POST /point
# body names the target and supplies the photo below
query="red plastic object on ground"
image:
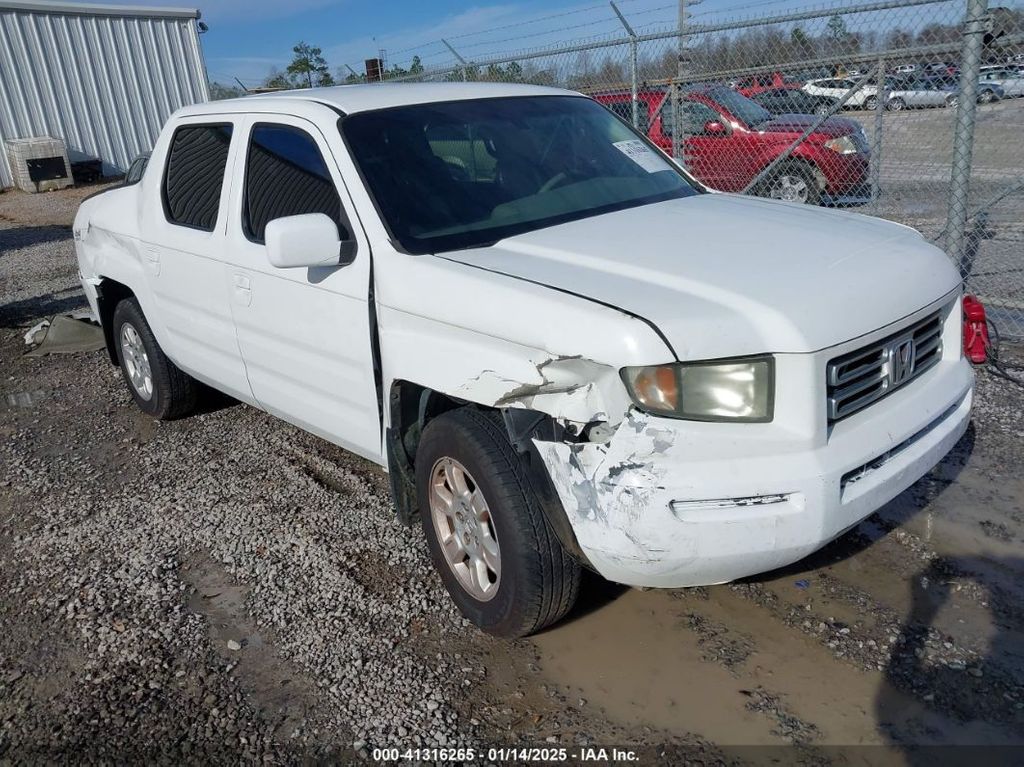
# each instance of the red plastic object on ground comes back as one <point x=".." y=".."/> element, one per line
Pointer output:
<point x="975" y="331"/>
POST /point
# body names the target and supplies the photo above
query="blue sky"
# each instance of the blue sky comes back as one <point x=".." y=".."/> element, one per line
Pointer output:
<point x="248" y="37"/>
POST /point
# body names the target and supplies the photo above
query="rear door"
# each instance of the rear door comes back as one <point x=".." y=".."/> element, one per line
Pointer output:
<point x="182" y="249"/>
<point x="304" y="332"/>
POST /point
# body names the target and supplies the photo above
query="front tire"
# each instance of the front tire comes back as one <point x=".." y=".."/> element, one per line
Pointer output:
<point x="871" y="103"/>
<point x="896" y="105"/>
<point x="158" y="387"/>
<point x="503" y="566"/>
<point x="986" y="97"/>
<point x="793" y="183"/>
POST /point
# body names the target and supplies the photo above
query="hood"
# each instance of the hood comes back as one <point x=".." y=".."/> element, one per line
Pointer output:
<point x="725" y="275"/>
<point x="797" y="124"/>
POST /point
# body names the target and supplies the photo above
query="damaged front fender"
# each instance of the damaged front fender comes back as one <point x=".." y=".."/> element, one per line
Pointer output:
<point x="567" y="388"/>
<point x="607" y="489"/>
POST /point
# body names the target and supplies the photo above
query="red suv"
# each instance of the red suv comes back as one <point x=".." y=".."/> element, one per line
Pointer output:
<point x="729" y="139"/>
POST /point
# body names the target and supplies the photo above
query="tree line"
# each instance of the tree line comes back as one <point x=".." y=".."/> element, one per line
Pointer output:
<point x="767" y="47"/>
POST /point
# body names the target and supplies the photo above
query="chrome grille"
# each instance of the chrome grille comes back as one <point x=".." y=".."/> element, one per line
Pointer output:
<point x="861" y="377"/>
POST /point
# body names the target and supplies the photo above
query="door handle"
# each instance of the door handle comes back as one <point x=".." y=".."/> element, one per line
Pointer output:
<point x="243" y="290"/>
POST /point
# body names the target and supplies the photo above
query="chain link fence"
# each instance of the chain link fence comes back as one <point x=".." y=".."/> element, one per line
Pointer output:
<point x="912" y="110"/>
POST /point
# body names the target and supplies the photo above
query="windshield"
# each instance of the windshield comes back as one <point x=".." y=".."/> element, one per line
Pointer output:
<point x="466" y="174"/>
<point x="739" y="106"/>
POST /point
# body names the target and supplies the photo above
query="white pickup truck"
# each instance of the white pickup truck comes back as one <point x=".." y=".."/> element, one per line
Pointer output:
<point x="564" y="350"/>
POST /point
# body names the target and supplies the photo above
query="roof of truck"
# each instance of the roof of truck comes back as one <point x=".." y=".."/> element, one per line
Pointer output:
<point x="363" y="98"/>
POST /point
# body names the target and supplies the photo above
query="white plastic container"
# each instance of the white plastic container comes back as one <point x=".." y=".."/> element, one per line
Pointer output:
<point x="21" y="150"/>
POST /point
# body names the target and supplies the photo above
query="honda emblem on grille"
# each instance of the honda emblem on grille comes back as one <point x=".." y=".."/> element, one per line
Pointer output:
<point x="902" y="356"/>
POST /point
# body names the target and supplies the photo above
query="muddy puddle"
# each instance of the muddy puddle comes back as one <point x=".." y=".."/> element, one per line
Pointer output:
<point x="904" y="631"/>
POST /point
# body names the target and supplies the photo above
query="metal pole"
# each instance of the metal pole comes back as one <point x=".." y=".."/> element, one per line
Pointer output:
<point x="455" y="53"/>
<point x="634" y="81"/>
<point x="881" y="98"/>
<point x="677" y="117"/>
<point x="963" y="137"/>
<point x="633" y="75"/>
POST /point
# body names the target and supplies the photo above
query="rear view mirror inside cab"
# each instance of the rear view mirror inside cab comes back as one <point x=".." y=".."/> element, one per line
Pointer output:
<point x="307" y="240"/>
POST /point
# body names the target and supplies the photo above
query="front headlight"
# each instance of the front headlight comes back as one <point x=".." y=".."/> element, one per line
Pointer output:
<point x="842" y="145"/>
<point x="722" y="390"/>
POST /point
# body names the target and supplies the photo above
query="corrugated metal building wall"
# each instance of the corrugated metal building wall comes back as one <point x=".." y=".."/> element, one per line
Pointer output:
<point x="103" y="78"/>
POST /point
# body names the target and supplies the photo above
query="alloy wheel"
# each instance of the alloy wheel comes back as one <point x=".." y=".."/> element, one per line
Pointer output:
<point x="464" y="528"/>
<point x="790" y="187"/>
<point x="136" y="361"/>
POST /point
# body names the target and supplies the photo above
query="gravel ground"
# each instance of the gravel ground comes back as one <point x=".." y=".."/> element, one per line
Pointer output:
<point x="227" y="588"/>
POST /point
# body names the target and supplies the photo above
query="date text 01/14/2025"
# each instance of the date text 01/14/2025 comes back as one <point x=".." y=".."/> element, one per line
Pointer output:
<point x="505" y="754"/>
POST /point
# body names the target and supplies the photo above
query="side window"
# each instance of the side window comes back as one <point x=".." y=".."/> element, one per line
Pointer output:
<point x="195" y="175"/>
<point x="135" y="171"/>
<point x="693" y="115"/>
<point x="624" y="109"/>
<point x="286" y="175"/>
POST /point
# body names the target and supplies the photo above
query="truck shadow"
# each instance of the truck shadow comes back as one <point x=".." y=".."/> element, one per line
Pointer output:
<point x="17" y="237"/>
<point x="18" y="313"/>
<point x="983" y="693"/>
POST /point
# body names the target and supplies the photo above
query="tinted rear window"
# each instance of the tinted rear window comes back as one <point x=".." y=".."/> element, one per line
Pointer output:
<point x="195" y="175"/>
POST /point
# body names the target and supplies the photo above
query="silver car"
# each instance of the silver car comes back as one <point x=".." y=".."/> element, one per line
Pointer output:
<point x="923" y="92"/>
<point x="1010" y="80"/>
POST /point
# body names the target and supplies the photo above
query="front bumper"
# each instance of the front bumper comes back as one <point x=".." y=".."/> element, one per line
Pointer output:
<point x="670" y="503"/>
<point x="858" y="195"/>
<point x="846" y="178"/>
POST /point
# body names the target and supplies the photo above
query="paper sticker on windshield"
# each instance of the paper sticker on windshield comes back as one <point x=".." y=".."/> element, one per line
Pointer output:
<point x="637" y="151"/>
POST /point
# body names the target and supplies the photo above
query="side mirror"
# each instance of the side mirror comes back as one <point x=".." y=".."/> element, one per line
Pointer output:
<point x="309" y="240"/>
<point x="716" y="128"/>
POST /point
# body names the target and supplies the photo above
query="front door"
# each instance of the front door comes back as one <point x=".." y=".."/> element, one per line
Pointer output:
<point x="712" y="158"/>
<point x="304" y="332"/>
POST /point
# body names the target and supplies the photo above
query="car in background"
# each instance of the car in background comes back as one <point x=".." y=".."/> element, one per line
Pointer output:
<point x="917" y="93"/>
<point x="905" y="69"/>
<point x="781" y="101"/>
<point x="864" y="97"/>
<point x="988" y="92"/>
<point x="751" y="86"/>
<point x="942" y="69"/>
<point x="1010" y="80"/>
<point x="728" y="140"/>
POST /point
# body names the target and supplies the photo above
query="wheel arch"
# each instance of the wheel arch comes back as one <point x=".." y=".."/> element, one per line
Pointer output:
<point x="411" y="406"/>
<point x="109" y="293"/>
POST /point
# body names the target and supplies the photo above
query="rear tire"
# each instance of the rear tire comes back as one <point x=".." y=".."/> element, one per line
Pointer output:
<point x="871" y="103"/>
<point x="986" y="97"/>
<point x="158" y="387"/>
<point x="480" y="515"/>
<point x="896" y="105"/>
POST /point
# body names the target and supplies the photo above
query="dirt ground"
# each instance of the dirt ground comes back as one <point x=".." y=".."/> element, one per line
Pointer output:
<point x="228" y="588"/>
